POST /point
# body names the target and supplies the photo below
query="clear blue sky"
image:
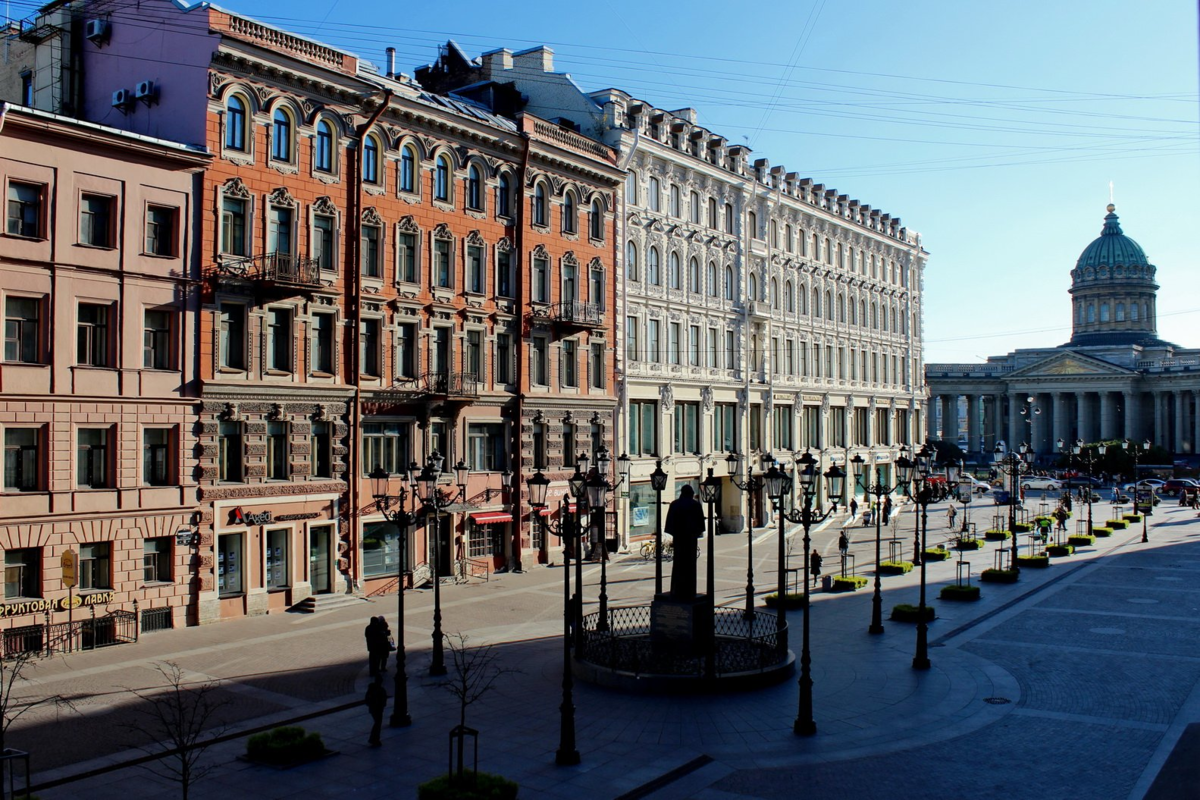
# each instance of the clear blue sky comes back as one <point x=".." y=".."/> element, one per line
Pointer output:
<point x="993" y="129"/>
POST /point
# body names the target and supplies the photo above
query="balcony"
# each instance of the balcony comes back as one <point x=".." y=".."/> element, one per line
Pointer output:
<point x="450" y="385"/>
<point x="574" y="314"/>
<point x="283" y="270"/>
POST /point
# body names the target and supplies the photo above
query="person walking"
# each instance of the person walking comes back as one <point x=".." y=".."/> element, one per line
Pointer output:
<point x="376" y="634"/>
<point x="951" y="514"/>
<point x="376" y="702"/>
<point x="844" y="544"/>
<point x="853" y="508"/>
<point x="814" y="565"/>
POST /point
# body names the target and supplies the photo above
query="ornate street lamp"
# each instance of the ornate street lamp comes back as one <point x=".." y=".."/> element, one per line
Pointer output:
<point x="879" y="490"/>
<point x="710" y="491"/>
<point x="577" y="484"/>
<point x="434" y="503"/>
<point x="598" y="487"/>
<point x="779" y="489"/>
<point x="401" y="519"/>
<point x="923" y="496"/>
<point x="658" y="482"/>
<point x="752" y="483"/>
<point x="1137" y="451"/>
<point x="1014" y="465"/>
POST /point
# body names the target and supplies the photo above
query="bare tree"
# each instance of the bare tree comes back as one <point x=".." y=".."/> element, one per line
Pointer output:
<point x="182" y="724"/>
<point x="14" y="700"/>
<point x="475" y="674"/>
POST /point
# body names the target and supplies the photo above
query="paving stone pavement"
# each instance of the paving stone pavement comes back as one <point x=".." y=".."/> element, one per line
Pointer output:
<point x="1075" y="682"/>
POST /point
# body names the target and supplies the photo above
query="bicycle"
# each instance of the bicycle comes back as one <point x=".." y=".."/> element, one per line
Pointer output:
<point x="648" y="550"/>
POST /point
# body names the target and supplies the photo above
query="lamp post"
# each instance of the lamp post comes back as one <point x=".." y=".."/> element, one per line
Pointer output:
<point x="878" y="490"/>
<point x="710" y="490"/>
<point x="434" y="503"/>
<point x="920" y="471"/>
<point x="402" y="519"/>
<point x="779" y="487"/>
<point x="752" y="483"/>
<point x="567" y="754"/>
<point x="598" y="487"/>
<point x="658" y="482"/>
<point x="1100" y="449"/>
<point x="1136" y="452"/>
<point x="1014" y="465"/>
<point x="578" y="487"/>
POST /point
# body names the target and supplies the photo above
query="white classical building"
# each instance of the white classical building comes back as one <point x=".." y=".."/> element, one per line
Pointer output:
<point x="758" y="311"/>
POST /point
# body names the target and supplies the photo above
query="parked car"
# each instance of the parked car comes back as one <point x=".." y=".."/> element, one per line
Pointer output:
<point x="1045" y="484"/>
<point x="1076" y="481"/>
<point x="978" y="486"/>
<point x="1145" y="483"/>
<point x="1174" y="486"/>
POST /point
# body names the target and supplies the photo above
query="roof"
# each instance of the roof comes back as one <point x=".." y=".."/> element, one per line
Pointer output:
<point x="1113" y="247"/>
<point x="72" y="122"/>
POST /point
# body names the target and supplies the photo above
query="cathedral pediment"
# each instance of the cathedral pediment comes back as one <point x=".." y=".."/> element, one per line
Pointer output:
<point x="1070" y="363"/>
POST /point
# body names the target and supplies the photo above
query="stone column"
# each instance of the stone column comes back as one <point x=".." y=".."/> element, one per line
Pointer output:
<point x="949" y="414"/>
<point x="1133" y="430"/>
<point x="1108" y="416"/>
<point x="973" y="423"/>
<point x="1040" y="430"/>
<point x="1087" y="420"/>
<point x="1062" y="427"/>
<point x="1196" y="421"/>
<point x="1180" y="409"/>
<point x="1160" y="434"/>
<point x="1015" y="422"/>
<point x="999" y="404"/>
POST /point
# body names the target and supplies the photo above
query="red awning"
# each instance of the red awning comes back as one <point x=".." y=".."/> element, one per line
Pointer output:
<point x="571" y="507"/>
<point x="543" y="512"/>
<point x="491" y="517"/>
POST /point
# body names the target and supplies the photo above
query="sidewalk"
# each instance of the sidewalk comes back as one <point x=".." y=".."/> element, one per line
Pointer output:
<point x="1094" y="662"/>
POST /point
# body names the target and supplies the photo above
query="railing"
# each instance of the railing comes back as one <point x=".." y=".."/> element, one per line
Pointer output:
<point x="280" y="268"/>
<point x="578" y="313"/>
<point x="1168" y="363"/>
<point x="157" y="619"/>
<point x="116" y="627"/>
<point x="467" y="568"/>
<point x="451" y="384"/>
<point x="969" y="369"/>
<point x="571" y="139"/>
<point x="741" y="645"/>
<point x="278" y="40"/>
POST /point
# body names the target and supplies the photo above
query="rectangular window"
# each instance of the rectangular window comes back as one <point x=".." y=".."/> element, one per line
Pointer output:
<point x="569" y="453"/>
<point x="156" y="340"/>
<point x="569" y="364"/>
<point x="694" y="345"/>
<point x="504" y="275"/>
<point x="277" y="451"/>
<point x="321" y="453"/>
<point x="406" y="257"/>
<point x="229" y="564"/>
<point x="280" y="233"/>
<point x="687" y="427"/>
<point x="631" y="340"/>
<point x="653" y="339"/>
<point x="782" y="424"/>
<point x="156" y="560"/>
<point x="486" y="447"/>
<point x="156" y="457"/>
<point x="673" y="344"/>
<point x="92" y="335"/>
<point x="729" y="351"/>
<point x="541" y="280"/>
<point x="712" y="348"/>
<point x="381" y="549"/>
<point x="233" y="336"/>
<point x="369" y="348"/>
<point x="95" y="220"/>
<point x="95" y="566"/>
<point x="503" y="358"/>
<point x="860" y="427"/>
<point x="540" y="460"/>
<point x="230" y="456"/>
<point x="277" y="558"/>
<point x="279" y="339"/>
<point x="755" y="423"/>
<point x="643" y="428"/>
<point x="475" y="269"/>
<point x="372" y="267"/>
<point x="883" y="432"/>
<point x="538" y="361"/>
<point x="812" y="427"/>
<point x="387" y="445"/>
<point x="21" y="472"/>
<point x="21" y="328"/>
<point x="234" y="241"/>
<point x="597" y="365"/>
<point x="837" y="426"/>
<point x="323" y="326"/>
<point x="161" y="226"/>
<point x="406" y="350"/>
<point x="473" y="355"/>
<point x="323" y="242"/>
<point x="24" y="210"/>
<point x="724" y="427"/>
<point x="92" y="462"/>
<point x="27" y="88"/>
<point x="23" y="573"/>
<point x="441" y="263"/>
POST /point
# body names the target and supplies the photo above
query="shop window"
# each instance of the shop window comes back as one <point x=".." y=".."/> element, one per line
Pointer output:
<point x="381" y="550"/>
<point x="277" y="558"/>
<point x="230" y="580"/>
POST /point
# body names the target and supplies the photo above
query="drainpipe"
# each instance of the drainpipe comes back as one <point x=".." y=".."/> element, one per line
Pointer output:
<point x="519" y="247"/>
<point x="354" y="234"/>
<point x="622" y="426"/>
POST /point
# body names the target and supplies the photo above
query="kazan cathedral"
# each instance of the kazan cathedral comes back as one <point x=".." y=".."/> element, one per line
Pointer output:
<point x="1115" y="379"/>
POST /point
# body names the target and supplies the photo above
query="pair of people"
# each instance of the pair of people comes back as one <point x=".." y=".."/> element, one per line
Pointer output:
<point x="379" y="644"/>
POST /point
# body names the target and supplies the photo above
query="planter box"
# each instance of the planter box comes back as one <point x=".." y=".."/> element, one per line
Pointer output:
<point x="475" y="786"/>
<point x="1117" y="524"/>
<point x="1101" y="531"/>
<point x="895" y="567"/>
<point x="970" y="544"/>
<point x="909" y="613"/>
<point x="1060" y="550"/>
<point x="1081" y="541"/>
<point x="849" y="583"/>
<point x="956" y="592"/>
<point x="1035" y="562"/>
<point x="1133" y="517"/>
<point x="937" y="555"/>
<point x="997" y="536"/>
<point x="999" y="576"/>
<point x="791" y="600"/>
<point x="1023" y="527"/>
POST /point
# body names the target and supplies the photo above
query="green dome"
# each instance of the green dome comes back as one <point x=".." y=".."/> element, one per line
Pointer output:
<point x="1113" y="248"/>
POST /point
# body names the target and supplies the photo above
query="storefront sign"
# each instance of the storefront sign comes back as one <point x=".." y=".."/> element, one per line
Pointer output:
<point x="293" y="517"/>
<point x="69" y="574"/>
<point x="42" y="605"/>
<point x="184" y="538"/>
<point x="882" y="457"/>
<point x="241" y="517"/>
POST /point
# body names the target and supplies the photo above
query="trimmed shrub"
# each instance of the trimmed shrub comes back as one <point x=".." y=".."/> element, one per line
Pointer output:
<point x="1101" y="531"/>
<point x="1117" y="524"/>
<point x="468" y="786"/>
<point x="1023" y="527"/>
<point x="970" y="544"/>
<point x="956" y="592"/>
<point x="937" y="554"/>
<point x="1060" y="550"/>
<point x="895" y="567"/>
<point x="1036" y="562"/>
<point x="996" y="536"/>
<point x="792" y="600"/>
<point x="1043" y="519"/>
<point x="999" y="575"/>
<point x="1081" y="540"/>
<point x="906" y="612"/>
<point x="289" y="744"/>
<point x="1133" y="517"/>
<point x="848" y="583"/>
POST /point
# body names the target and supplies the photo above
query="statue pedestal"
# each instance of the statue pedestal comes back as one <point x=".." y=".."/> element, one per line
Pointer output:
<point x="685" y="626"/>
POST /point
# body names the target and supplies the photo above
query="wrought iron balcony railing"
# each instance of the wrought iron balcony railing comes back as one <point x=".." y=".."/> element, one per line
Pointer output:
<point x="286" y="269"/>
<point x="577" y="313"/>
<point x="451" y="384"/>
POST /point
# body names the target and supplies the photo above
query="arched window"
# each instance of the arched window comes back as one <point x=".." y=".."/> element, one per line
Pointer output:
<point x="676" y="271"/>
<point x="323" y="158"/>
<point x="775" y="294"/>
<point x="596" y="221"/>
<point x="774" y="233"/>
<point x="631" y="261"/>
<point x="753" y="286"/>
<point x="729" y="218"/>
<point x="788" y="242"/>
<point x="441" y="179"/>
<point x="1104" y="312"/>
<point x="281" y="136"/>
<point x="712" y="213"/>
<point x="676" y="209"/>
<point x="752" y="224"/>
<point x="631" y="188"/>
<point x="408" y="169"/>
<point x="1133" y="311"/>
<point x="729" y="287"/>
<point x="235" y="123"/>
<point x="828" y="252"/>
<point x="841" y="314"/>
<point x="893" y="320"/>
<point x="1091" y="312"/>
<point x="853" y="312"/>
<point x="802" y="296"/>
<point x="653" y="267"/>
<point x="1079" y="314"/>
<point x="504" y="196"/>
<point x="874" y="316"/>
<point x="539" y="204"/>
<point x="694" y="275"/>
<point x="883" y="318"/>
<point x="694" y="207"/>
<point x="789" y="293"/>
<point x="816" y="303"/>
<point x="1120" y="312"/>
<point x="816" y="248"/>
<point x="862" y="313"/>
<point x="828" y="306"/>
<point x="655" y="195"/>
<point x="371" y="160"/>
<point x="474" y="188"/>
<point x="568" y="213"/>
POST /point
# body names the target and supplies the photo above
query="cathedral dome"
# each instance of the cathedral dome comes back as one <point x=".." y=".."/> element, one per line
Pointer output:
<point x="1113" y="248"/>
<point x="1113" y="292"/>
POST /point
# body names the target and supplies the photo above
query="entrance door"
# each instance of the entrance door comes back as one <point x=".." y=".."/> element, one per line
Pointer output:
<point x="318" y="559"/>
<point x="445" y="552"/>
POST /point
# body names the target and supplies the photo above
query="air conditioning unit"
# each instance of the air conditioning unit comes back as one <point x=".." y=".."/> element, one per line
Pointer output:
<point x="122" y="99"/>
<point x="96" y="30"/>
<point x="147" y="92"/>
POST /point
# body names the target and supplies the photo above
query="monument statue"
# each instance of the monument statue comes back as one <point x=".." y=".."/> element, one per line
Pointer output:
<point x="685" y="523"/>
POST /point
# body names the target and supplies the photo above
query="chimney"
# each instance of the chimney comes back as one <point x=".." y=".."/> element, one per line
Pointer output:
<point x="391" y="62"/>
